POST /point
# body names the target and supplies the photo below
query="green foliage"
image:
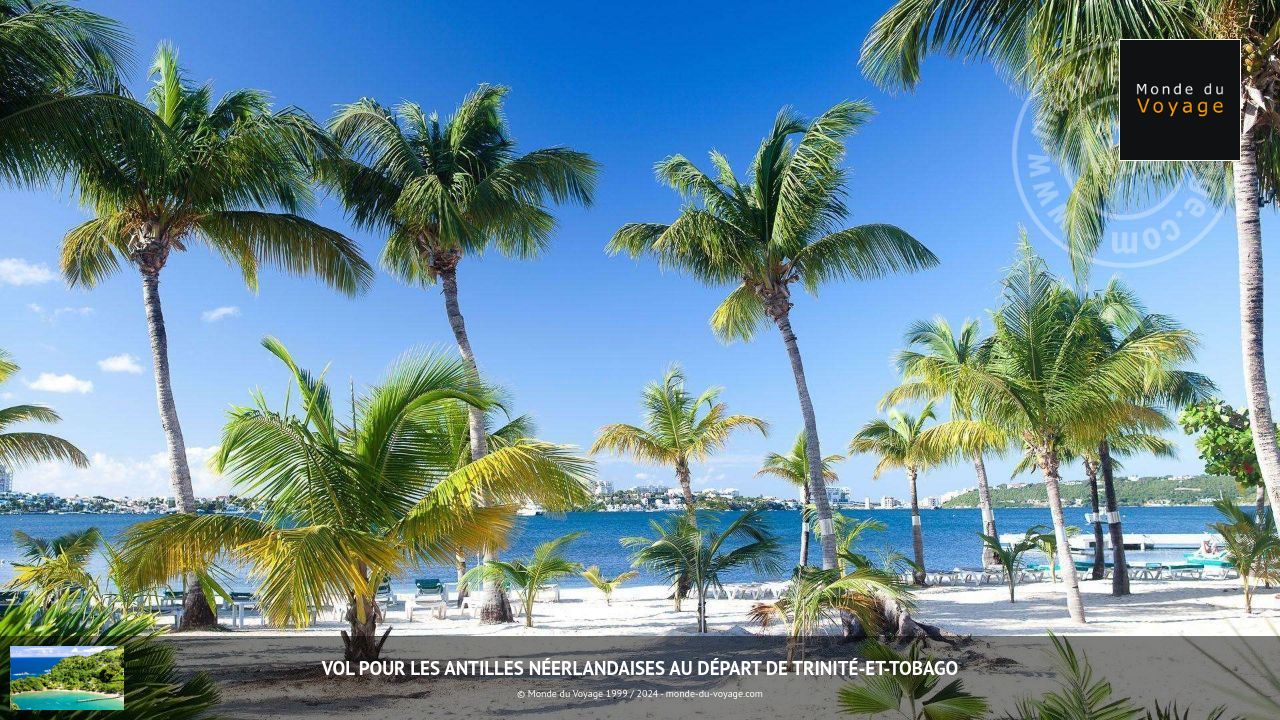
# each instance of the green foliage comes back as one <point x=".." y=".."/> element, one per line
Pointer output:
<point x="1225" y="442"/>
<point x="547" y="565"/>
<point x="1253" y="548"/>
<point x="896" y="441"/>
<point x="1202" y="490"/>
<point x="152" y="688"/>
<point x="607" y="585"/>
<point x="702" y="552"/>
<point x="913" y="696"/>
<point x="101" y="672"/>
<point x="1010" y="557"/>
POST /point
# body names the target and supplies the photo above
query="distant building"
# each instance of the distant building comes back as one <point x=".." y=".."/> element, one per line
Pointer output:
<point x="887" y="502"/>
<point x="866" y="504"/>
<point x="838" y="495"/>
<point x="6" y="479"/>
<point x="932" y="503"/>
<point x="603" y="487"/>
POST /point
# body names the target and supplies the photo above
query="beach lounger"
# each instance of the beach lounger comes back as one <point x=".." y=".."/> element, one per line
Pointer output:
<point x="430" y="588"/>
<point x="545" y="592"/>
<point x="1184" y="571"/>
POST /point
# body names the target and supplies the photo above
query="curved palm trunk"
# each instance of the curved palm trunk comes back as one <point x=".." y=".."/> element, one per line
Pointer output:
<point x="195" y="608"/>
<point x="1099" y="556"/>
<point x="1048" y="460"/>
<point x="1249" y="239"/>
<point x="817" y="486"/>
<point x="497" y="606"/>
<point x="684" y="477"/>
<point x="917" y="533"/>
<point x="1119" y="566"/>
<point x="988" y="512"/>
<point x="804" y="528"/>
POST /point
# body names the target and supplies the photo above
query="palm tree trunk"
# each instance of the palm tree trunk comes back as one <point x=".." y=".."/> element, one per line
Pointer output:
<point x="683" y="477"/>
<point x="1260" y="505"/>
<point x="497" y="606"/>
<point x="1249" y="239"/>
<point x="1099" y="556"/>
<point x="195" y="608"/>
<point x="361" y="641"/>
<point x="1049" y="469"/>
<point x="988" y="512"/>
<point x="817" y="486"/>
<point x="1119" y="566"/>
<point x="804" y="527"/>
<point x="917" y="533"/>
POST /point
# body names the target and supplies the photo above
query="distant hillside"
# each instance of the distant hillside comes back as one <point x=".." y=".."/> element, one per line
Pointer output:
<point x="1199" y="490"/>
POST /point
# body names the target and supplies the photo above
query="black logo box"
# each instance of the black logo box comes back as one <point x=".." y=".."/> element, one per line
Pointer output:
<point x="1191" y="66"/>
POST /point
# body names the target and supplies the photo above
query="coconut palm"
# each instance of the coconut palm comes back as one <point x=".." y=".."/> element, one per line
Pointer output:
<point x="55" y="567"/>
<point x="231" y="175"/>
<point x="907" y="693"/>
<point x="779" y="227"/>
<point x="1053" y="383"/>
<point x="933" y="355"/>
<point x="704" y="552"/>
<point x="58" y="85"/>
<point x="346" y="505"/>
<point x="1065" y="53"/>
<point x="442" y="191"/>
<point x="1252" y="547"/>
<point x="22" y="447"/>
<point x="547" y="565"/>
<point x="679" y="428"/>
<point x="1010" y="558"/>
<point x="794" y="468"/>
<point x="817" y="598"/>
<point x="607" y="585"/>
<point x="896" y="441"/>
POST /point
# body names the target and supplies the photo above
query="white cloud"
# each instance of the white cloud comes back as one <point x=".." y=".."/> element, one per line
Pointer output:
<point x="117" y="477"/>
<point x="15" y="271"/>
<point x="51" y="315"/>
<point x="34" y="651"/>
<point x="50" y="382"/>
<point x="642" y="476"/>
<point x="220" y="313"/>
<point x="6" y="396"/>
<point x="124" y="363"/>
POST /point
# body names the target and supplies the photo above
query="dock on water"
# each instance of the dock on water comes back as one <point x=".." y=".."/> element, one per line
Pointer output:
<point x="1134" y="541"/>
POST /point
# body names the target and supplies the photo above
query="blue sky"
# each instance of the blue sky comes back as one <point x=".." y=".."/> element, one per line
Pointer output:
<point x="576" y="334"/>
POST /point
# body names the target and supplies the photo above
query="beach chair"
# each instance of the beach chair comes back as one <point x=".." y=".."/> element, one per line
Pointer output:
<point x="993" y="574"/>
<point x="384" y="597"/>
<point x="1184" y="571"/>
<point x="430" y="588"/>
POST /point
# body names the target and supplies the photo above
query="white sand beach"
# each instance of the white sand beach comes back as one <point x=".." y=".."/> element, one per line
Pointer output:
<point x="1155" y="608"/>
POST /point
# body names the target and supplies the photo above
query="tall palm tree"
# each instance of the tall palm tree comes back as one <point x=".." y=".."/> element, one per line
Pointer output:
<point x="58" y="85"/>
<point x="349" y="504"/>
<point x="1065" y="53"/>
<point x="444" y="190"/>
<point x="21" y="447"/>
<point x="1052" y="383"/>
<point x="934" y="355"/>
<point x="679" y="428"/>
<point x="231" y="175"/>
<point x="896" y="441"/>
<point x="779" y="227"/>
<point x="794" y="468"/>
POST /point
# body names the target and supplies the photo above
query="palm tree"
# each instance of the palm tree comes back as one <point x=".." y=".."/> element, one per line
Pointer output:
<point x="1053" y="383"/>
<point x="817" y="598"/>
<point x="778" y="228"/>
<point x="547" y="565"/>
<point x="445" y="190"/>
<point x="346" y="505"/>
<point x="1010" y="558"/>
<point x="896" y="442"/>
<point x="58" y="85"/>
<point x="704" y="552"/>
<point x="202" y="173"/>
<point x="679" y="428"/>
<point x="607" y="585"/>
<point x="907" y="693"/>
<point x="933" y="356"/>
<point x="1065" y="54"/>
<point x="19" y="448"/>
<point x="1252" y="546"/>
<point x="794" y="468"/>
<point x="55" y="567"/>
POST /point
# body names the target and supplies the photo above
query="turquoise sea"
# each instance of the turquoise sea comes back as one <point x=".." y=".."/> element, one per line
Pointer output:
<point x="66" y="700"/>
<point x="949" y="535"/>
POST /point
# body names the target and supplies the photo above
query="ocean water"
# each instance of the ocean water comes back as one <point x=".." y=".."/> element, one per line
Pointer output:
<point x="65" y="700"/>
<point x="24" y="666"/>
<point x="950" y="536"/>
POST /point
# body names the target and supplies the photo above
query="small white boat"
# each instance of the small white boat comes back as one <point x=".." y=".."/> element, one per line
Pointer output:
<point x="530" y="510"/>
